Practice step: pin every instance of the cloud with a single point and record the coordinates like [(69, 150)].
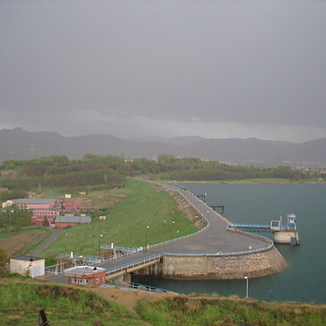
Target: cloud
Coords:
[(216, 69)]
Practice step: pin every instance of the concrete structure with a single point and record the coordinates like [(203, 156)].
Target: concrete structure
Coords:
[(70, 220), (86, 275), (27, 266)]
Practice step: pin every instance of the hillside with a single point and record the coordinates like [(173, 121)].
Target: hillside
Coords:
[(21, 144), (21, 302)]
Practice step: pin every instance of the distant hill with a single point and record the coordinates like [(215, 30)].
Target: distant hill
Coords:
[(21, 144)]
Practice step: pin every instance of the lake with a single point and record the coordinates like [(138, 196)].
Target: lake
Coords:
[(305, 278)]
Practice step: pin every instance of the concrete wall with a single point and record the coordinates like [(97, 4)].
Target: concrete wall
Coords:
[(218, 267), (27, 268)]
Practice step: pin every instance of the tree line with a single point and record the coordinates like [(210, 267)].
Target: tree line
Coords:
[(111, 171)]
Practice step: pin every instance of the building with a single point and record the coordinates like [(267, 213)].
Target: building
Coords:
[(32, 203), (40, 214), (71, 206), (86, 275), (27, 266), (71, 220)]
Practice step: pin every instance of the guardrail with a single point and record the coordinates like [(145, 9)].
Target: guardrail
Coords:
[(136, 286), (133, 264)]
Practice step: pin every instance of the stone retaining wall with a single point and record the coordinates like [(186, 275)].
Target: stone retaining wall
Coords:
[(253, 265)]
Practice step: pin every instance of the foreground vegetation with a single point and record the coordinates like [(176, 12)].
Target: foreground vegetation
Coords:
[(20, 303), (228, 312)]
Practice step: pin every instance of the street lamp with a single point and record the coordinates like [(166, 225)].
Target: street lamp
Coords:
[(172, 222), (147, 227), (247, 286), (99, 244)]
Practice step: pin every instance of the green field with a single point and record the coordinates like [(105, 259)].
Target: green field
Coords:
[(143, 214)]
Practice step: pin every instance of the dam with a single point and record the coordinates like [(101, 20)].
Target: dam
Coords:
[(215, 252)]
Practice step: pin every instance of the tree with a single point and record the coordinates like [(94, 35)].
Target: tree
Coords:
[(45, 223), (3, 262)]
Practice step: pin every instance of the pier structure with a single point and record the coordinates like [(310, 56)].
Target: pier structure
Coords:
[(218, 208), (285, 234)]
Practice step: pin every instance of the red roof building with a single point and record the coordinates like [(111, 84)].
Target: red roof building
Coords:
[(86, 275), (40, 214)]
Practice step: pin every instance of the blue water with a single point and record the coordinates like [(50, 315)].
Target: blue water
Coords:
[(305, 278)]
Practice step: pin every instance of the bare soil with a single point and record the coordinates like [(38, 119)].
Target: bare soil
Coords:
[(19, 242), (130, 297)]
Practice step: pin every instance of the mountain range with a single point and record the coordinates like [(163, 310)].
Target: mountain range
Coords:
[(21, 144)]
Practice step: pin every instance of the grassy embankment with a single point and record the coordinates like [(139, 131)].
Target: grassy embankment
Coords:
[(64, 305), (129, 211), (20, 304)]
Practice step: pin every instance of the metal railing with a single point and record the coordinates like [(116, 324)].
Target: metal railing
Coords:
[(136, 286), (134, 263)]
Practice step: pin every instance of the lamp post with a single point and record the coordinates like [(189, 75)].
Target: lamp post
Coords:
[(247, 286), (99, 244), (172, 222), (147, 227)]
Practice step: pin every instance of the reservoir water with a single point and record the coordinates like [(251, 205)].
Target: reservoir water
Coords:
[(305, 278)]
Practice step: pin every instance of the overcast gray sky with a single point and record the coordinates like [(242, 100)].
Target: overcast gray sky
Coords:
[(215, 69)]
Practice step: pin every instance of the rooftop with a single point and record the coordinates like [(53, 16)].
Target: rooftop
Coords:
[(35, 200), (26, 258), (73, 219), (84, 270)]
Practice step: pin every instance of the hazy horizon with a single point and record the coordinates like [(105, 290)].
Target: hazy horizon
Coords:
[(214, 69)]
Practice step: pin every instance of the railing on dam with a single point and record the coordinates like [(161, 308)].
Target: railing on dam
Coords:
[(136, 286), (134, 263)]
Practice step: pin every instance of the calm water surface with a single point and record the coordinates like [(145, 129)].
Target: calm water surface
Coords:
[(305, 278)]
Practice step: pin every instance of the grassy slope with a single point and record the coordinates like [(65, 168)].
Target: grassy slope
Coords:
[(228, 312), (20, 303), (140, 205)]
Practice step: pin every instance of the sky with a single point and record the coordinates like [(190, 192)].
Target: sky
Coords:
[(211, 68)]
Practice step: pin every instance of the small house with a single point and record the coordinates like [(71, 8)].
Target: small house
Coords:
[(27, 266), (86, 275)]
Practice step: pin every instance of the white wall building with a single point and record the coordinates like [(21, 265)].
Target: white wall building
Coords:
[(27, 266)]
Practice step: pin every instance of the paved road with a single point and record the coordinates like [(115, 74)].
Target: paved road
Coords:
[(45, 244), (214, 239)]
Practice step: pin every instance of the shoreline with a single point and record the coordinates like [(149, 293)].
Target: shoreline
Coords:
[(245, 181)]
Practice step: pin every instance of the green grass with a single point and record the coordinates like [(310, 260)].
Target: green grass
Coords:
[(127, 220), (22, 299), (228, 312), (20, 304)]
